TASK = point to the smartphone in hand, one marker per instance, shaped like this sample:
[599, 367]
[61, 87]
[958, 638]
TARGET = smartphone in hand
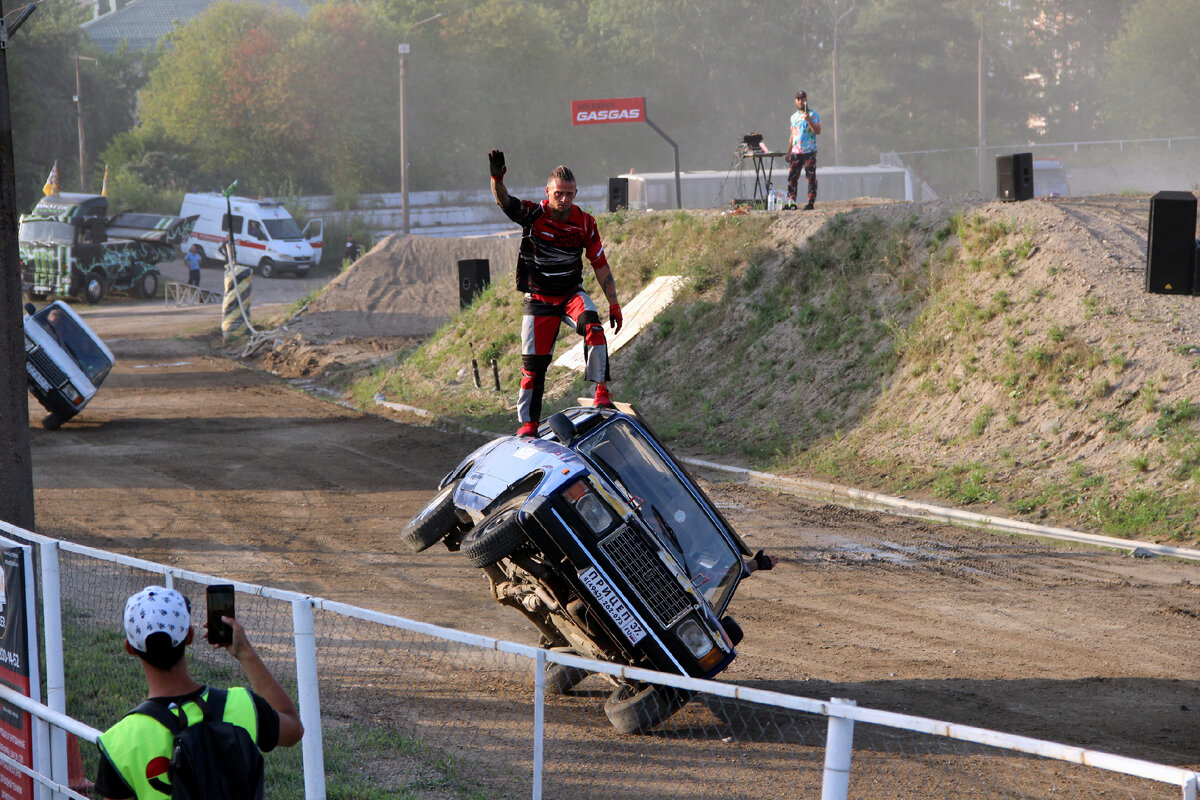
[220, 604]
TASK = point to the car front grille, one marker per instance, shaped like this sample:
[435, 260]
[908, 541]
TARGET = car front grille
[48, 368]
[650, 577]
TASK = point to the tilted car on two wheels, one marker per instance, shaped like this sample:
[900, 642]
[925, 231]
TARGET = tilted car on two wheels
[602, 540]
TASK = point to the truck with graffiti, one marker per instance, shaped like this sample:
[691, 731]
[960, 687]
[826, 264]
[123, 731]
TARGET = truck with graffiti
[70, 247]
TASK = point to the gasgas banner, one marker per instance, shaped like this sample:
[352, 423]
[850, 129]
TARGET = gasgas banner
[16, 730]
[614, 109]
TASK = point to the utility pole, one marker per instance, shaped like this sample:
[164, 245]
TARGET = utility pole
[403, 141]
[16, 460]
[837, 122]
[982, 109]
[79, 118]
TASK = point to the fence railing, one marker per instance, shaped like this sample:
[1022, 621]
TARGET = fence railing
[409, 708]
[183, 294]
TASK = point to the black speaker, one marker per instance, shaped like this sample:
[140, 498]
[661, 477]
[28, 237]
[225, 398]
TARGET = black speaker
[474, 275]
[1171, 243]
[618, 193]
[1014, 176]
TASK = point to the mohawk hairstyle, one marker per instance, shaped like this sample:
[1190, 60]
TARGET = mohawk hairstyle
[563, 174]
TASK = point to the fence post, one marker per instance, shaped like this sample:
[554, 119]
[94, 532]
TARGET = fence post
[56, 680]
[1189, 787]
[539, 719]
[309, 698]
[839, 747]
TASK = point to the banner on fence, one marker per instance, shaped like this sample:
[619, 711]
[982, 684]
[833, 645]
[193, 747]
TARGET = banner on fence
[16, 620]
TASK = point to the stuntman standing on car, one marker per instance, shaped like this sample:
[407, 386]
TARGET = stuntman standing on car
[556, 236]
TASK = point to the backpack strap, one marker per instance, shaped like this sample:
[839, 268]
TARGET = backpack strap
[212, 708]
[162, 714]
[213, 705]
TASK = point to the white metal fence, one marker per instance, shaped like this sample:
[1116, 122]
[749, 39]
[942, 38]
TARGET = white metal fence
[398, 708]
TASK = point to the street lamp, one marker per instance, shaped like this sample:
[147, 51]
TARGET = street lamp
[403, 141]
[79, 118]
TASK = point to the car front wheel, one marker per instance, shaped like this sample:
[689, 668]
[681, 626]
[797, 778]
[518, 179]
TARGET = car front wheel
[435, 522]
[633, 708]
[497, 537]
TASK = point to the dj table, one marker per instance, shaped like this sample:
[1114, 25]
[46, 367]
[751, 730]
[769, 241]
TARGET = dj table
[764, 164]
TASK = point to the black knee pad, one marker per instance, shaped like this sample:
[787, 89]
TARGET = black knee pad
[585, 319]
[535, 363]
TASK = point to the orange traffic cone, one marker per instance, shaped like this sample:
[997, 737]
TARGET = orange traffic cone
[76, 778]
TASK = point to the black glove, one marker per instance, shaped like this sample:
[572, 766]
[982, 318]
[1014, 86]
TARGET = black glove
[496, 164]
[762, 560]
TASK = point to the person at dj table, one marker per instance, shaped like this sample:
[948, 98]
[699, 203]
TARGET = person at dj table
[802, 150]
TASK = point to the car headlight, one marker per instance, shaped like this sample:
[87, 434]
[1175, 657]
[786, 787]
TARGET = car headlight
[72, 394]
[590, 507]
[694, 638]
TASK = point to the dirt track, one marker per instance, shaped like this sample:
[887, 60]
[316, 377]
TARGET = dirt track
[188, 458]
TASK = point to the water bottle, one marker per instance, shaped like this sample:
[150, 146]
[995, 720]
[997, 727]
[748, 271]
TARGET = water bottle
[771, 201]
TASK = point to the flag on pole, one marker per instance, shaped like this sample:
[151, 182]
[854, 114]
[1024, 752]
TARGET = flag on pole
[51, 186]
[104, 187]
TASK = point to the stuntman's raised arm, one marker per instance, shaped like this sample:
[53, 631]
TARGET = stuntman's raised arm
[497, 168]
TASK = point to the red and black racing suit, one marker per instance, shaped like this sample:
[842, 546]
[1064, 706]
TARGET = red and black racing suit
[550, 273]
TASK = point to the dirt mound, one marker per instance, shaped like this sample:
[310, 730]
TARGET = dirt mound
[295, 357]
[405, 286]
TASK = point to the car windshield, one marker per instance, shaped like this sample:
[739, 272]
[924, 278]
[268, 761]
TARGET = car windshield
[76, 342]
[662, 499]
[282, 228]
[39, 231]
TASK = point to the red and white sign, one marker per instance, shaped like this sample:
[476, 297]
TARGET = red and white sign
[613, 109]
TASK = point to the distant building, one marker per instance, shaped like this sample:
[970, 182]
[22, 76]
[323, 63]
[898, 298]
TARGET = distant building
[143, 22]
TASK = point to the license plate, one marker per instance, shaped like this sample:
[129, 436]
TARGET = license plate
[37, 377]
[613, 604]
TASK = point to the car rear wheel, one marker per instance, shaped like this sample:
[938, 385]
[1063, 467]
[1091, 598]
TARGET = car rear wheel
[147, 285]
[633, 708]
[497, 537]
[435, 522]
[561, 679]
[94, 288]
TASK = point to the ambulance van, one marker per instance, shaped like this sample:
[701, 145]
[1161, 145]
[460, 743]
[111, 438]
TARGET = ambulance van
[265, 237]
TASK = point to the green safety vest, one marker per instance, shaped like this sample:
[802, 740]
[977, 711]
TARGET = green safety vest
[140, 747]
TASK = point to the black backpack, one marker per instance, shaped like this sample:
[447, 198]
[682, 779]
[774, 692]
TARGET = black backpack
[212, 759]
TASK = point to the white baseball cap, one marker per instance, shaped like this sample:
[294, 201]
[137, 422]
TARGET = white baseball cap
[156, 609]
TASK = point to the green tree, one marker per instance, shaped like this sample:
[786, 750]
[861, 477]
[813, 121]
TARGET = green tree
[1153, 75]
[329, 71]
[500, 74]
[42, 89]
[910, 78]
[1062, 50]
[220, 91]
